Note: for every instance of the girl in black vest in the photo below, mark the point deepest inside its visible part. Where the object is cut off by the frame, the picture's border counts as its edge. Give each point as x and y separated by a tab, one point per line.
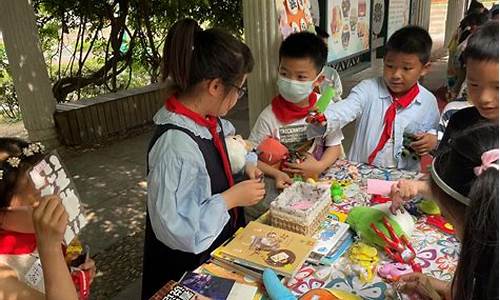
193	203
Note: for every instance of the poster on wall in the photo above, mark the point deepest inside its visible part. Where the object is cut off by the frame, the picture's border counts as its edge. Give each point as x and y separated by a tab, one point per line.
294	16
348	23
399	15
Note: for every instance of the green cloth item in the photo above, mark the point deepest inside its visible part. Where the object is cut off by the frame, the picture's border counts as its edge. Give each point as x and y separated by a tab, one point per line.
361	217
429	207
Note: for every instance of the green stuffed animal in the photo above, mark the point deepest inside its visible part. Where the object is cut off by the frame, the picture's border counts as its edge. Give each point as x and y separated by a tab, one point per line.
361	217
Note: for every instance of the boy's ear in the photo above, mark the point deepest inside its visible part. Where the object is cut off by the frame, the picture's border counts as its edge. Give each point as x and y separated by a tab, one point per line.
426	69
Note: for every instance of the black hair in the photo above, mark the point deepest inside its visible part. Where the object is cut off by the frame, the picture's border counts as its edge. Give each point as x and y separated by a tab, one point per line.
483	44
474	19
321	33
476	276
475	7
305	45
191	55
411	40
11	176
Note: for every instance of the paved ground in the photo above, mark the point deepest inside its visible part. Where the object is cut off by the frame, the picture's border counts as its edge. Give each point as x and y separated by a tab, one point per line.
111	182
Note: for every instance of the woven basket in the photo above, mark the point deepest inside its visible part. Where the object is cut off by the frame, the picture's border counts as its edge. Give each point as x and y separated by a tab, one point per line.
304	222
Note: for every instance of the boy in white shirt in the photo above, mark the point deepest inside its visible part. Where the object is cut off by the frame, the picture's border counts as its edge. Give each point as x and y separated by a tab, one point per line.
302	59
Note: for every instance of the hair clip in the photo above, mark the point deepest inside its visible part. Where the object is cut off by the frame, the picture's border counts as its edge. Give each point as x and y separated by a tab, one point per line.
33	148
1	174
14	161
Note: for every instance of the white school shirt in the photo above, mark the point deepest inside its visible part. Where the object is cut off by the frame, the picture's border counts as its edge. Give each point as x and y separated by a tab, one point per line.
268	125
367	104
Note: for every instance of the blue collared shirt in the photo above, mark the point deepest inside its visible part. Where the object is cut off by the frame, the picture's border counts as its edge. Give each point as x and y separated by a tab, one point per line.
367	104
184	214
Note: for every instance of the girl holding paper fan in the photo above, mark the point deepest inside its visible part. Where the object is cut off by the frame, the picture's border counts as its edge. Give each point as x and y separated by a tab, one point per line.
31	227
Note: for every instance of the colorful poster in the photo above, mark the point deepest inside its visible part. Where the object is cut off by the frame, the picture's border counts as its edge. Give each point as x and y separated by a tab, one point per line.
348	23
294	16
399	15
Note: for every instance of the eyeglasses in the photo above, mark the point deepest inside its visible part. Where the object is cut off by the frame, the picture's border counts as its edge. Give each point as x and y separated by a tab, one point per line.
241	90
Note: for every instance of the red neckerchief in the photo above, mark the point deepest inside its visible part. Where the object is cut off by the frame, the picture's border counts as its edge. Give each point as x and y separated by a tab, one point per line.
174	105
390	115
17	243
287	112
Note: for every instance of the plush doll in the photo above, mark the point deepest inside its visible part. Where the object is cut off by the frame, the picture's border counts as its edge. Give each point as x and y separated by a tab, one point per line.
272	152
360	218
239	152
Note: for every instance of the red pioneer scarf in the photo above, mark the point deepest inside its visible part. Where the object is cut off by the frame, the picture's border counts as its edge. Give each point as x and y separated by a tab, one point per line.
287	112
210	122
390	115
16	243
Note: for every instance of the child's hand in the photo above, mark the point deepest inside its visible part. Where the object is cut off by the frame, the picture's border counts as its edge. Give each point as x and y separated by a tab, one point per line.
245	193
50	220
282	180
424	143
401	192
253	172
89	265
309	167
424	287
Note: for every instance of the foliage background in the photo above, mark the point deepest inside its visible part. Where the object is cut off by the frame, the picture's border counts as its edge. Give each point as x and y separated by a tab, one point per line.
93	47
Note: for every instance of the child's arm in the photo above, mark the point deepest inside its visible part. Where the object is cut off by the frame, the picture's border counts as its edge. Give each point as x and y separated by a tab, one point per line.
405	190
282	179
311	167
341	113
427	141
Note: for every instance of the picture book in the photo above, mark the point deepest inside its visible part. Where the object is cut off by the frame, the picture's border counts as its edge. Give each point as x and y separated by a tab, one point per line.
174	291
218	288
328	237
261	246
50	177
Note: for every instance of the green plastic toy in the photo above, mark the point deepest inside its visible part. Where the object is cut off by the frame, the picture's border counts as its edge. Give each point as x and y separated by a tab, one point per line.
325	99
429	207
336	192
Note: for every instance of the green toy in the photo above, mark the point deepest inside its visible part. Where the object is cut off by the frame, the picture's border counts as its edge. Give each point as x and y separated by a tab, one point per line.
336	192
429	207
325	99
360	218
297	178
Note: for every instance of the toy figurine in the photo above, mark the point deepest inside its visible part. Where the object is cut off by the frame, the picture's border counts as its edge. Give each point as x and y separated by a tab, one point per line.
364	259
336	192
392	271
398	248
407	150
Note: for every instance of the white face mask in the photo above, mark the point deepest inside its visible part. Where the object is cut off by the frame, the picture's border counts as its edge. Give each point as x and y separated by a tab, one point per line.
295	91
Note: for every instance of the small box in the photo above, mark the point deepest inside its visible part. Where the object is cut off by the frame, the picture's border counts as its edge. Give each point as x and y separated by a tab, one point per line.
301	208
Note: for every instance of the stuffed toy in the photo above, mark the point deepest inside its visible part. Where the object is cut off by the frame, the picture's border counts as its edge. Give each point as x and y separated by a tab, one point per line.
360	218
238	151
277	291
272	152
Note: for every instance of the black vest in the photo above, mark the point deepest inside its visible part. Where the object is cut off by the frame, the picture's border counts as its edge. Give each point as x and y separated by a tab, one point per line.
160	262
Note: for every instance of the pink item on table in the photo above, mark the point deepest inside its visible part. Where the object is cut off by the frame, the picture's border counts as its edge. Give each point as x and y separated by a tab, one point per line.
379	187
393	271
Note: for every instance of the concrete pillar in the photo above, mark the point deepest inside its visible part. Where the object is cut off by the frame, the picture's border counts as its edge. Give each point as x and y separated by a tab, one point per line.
263	37
454	14
421	13
28	69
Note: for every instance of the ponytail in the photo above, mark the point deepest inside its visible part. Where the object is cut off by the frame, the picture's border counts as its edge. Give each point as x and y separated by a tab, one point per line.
178	51
476	276
191	55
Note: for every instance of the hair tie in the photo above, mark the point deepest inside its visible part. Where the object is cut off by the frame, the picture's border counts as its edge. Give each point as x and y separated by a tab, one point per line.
487	161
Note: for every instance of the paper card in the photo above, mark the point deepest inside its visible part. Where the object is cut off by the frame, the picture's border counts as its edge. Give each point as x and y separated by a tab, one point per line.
50	177
379	187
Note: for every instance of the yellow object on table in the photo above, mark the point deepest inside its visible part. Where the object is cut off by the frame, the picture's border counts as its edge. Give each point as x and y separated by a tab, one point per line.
365	257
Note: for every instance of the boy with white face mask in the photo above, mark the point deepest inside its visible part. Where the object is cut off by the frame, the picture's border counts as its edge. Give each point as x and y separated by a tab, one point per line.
302	58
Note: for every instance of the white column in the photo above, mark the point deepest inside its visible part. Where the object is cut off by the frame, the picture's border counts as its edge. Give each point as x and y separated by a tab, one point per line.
454	14
27	65
263	37
421	13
